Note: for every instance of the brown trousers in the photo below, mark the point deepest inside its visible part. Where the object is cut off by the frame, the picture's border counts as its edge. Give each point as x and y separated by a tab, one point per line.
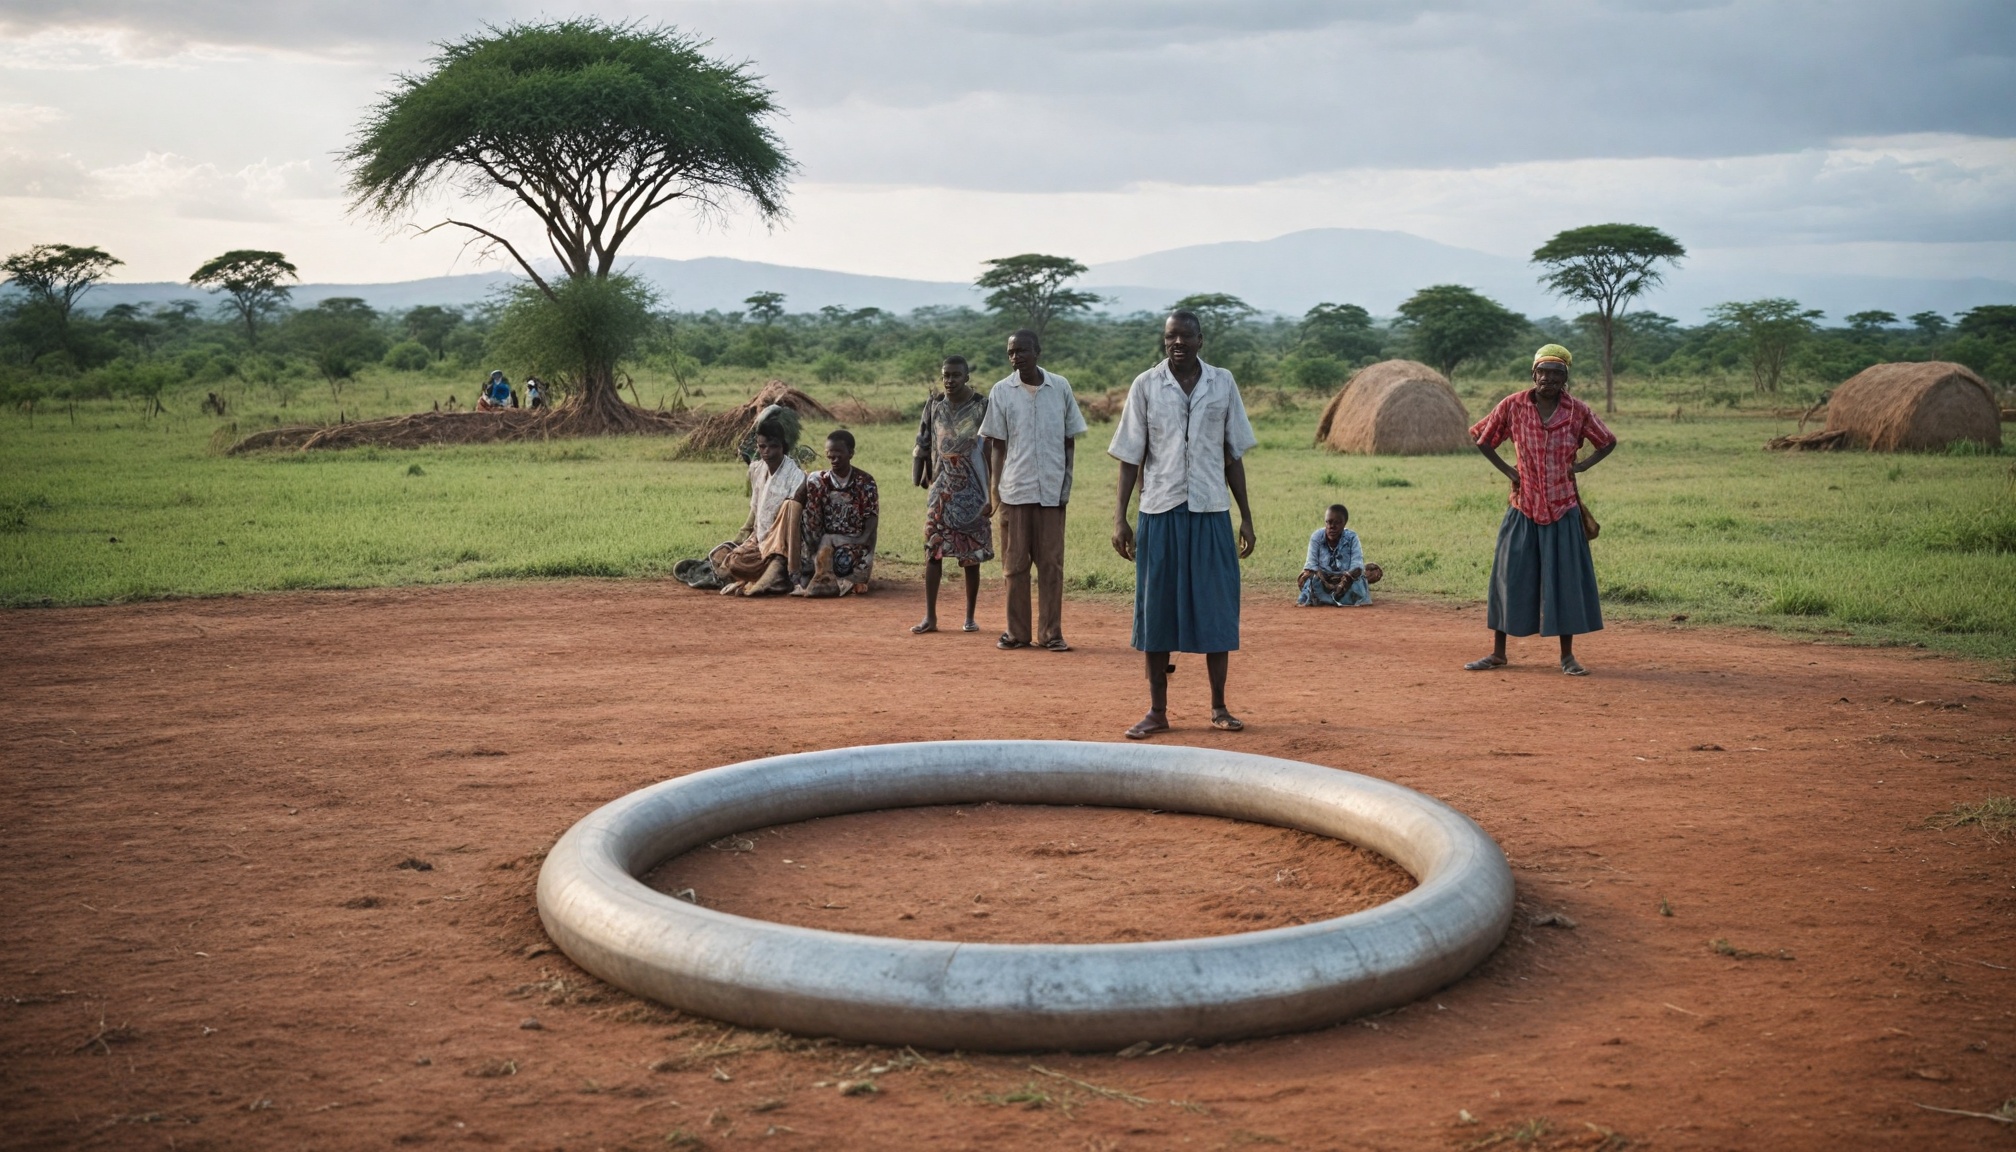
749	559
1033	533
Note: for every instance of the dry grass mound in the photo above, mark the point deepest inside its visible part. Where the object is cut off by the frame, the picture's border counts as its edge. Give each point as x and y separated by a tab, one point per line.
422	429
1922	407
722	432
1395	408
852	411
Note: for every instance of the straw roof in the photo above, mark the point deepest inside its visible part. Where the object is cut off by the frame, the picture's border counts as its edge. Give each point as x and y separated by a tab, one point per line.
1914	407
1395	408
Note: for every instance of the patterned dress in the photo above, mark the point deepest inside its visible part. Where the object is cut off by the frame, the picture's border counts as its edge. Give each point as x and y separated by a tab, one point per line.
948	440
834	510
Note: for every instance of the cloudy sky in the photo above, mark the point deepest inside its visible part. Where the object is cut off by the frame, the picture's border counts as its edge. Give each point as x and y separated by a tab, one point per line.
1818	136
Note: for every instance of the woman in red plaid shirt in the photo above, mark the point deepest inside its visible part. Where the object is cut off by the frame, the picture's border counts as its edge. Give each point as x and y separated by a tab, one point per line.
1543	579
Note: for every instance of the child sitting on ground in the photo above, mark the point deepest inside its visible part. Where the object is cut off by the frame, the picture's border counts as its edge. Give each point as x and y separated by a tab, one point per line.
1335	574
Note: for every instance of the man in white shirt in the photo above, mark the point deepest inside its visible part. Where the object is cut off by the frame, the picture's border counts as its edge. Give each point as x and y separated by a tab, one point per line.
1031	427
1183	434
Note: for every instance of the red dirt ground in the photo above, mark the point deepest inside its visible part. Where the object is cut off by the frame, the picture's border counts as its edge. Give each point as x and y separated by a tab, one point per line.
213	942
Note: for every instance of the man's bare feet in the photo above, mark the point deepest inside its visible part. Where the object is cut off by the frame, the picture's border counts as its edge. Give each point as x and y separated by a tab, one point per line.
1150	724
928	624
1572	667
1486	664
1223	720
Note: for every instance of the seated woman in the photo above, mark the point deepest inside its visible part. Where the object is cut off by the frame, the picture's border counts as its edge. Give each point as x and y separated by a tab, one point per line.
1334	575
496	395
843	510
765	552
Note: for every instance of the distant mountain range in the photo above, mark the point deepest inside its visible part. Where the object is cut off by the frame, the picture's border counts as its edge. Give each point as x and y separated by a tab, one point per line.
1287	274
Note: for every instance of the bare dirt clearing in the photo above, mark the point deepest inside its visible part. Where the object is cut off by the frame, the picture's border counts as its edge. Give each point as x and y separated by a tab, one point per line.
269	861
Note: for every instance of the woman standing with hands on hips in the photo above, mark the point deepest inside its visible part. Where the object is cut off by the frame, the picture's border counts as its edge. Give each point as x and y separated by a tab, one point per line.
1543	579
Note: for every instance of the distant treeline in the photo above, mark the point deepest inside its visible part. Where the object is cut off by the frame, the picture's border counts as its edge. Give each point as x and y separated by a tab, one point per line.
143	351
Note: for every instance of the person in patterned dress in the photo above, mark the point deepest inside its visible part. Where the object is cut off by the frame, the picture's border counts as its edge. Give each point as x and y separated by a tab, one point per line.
842	511
957	517
1542	578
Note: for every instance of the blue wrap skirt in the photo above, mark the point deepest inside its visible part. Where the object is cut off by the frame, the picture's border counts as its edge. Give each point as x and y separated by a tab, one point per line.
1543	579
1186	582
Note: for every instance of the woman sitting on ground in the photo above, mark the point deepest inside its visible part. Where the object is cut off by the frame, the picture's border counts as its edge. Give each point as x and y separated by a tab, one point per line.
1335	575
843	510
496	395
761	557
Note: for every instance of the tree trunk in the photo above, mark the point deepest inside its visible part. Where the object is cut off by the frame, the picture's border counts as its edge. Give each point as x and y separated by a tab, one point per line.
1609	376
597	407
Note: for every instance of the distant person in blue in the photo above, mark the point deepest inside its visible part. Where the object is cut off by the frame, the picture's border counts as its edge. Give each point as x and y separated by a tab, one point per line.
496	395
1335	575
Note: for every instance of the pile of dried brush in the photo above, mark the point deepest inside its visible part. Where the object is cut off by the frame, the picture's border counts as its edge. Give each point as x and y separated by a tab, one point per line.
423	429
721	433
1914	407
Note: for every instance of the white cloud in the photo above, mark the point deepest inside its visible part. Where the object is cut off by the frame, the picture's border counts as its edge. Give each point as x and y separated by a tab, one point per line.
205	191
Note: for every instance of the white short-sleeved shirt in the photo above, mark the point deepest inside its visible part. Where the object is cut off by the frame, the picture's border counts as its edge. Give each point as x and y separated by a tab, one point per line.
769	490
1180	441
1034	423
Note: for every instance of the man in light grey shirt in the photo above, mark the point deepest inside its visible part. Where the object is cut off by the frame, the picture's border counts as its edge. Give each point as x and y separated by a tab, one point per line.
1031	428
1183	434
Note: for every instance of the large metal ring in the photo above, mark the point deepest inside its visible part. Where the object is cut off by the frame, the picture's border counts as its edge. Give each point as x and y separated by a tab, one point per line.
1004	997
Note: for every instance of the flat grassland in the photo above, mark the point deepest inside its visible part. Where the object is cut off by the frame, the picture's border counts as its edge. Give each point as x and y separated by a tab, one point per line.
107	506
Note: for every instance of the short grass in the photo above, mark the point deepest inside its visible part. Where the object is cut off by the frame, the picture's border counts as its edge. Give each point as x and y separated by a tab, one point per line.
1697	519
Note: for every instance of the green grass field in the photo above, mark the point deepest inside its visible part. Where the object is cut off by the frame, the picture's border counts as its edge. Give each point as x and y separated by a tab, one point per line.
110	506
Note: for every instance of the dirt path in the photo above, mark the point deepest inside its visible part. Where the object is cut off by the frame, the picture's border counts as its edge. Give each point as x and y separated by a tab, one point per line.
268	867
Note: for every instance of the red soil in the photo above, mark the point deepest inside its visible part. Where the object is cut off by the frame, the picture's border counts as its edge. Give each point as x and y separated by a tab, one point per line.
269	868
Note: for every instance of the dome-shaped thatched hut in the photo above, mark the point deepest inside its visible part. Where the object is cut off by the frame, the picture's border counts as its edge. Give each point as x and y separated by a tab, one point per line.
1914	408
1395	408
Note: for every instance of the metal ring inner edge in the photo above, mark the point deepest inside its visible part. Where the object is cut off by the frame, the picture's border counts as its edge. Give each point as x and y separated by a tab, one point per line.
1018	997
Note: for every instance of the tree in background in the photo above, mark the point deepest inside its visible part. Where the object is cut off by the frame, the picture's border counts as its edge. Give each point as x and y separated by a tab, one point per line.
591	126
1769	331
1931	326
1029	290
1869	325
430	326
1450	324
253	281
54	277
1985	340
1608	266
339	337
1343	331
766	307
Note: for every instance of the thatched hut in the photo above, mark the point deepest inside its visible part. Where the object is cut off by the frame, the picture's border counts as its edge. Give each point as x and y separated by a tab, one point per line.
1915	408
1395	408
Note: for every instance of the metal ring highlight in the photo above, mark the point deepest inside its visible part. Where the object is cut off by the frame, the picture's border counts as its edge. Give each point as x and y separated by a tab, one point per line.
1018	997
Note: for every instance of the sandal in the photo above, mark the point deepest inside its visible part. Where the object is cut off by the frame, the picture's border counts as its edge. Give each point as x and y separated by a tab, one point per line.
1573	667
1008	643
1058	645
923	626
969	626
1224	721
1149	725
1486	664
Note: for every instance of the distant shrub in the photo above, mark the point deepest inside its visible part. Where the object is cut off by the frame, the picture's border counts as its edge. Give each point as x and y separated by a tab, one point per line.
1991	531
408	356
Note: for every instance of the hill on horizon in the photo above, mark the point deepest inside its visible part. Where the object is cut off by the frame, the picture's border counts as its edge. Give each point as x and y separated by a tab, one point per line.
1288	274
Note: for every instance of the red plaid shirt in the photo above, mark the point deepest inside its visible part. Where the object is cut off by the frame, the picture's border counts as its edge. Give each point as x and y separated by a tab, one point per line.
1546	489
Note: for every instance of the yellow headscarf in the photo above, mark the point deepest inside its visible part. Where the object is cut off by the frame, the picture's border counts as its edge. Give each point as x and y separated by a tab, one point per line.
1554	352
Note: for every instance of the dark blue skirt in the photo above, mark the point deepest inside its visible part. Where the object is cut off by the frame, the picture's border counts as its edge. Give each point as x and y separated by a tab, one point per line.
1186	582
1543	579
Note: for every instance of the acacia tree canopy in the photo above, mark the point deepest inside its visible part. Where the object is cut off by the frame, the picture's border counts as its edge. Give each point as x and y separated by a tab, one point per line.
1030	288
591	126
1607	266
1449	324
252	279
55	276
1770	330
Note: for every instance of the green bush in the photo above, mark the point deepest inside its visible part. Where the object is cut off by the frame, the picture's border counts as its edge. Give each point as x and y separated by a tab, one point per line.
408	356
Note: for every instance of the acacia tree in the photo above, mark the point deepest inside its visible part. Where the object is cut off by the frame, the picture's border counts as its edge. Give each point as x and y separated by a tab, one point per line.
253	281
591	126
1449	324
1607	266
56	276
1030	289
1770	330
